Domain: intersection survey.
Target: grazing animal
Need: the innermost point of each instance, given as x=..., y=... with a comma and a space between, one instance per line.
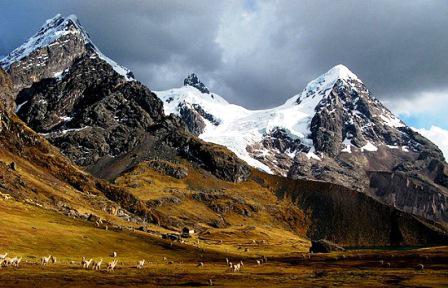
x=16, y=262
x=111, y=265
x=97, y=265
x=200, y=264
x=45, y=260
x=141, y=263
x=420, y=267
x=230, y=265
x=87, y=263
x=236, y=267
x=6, y=262
x=3, y=256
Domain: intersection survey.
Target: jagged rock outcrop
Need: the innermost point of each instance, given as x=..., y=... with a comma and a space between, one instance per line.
x=193, y=80
x=192, y=119
x=7, y=93
x=168, y=168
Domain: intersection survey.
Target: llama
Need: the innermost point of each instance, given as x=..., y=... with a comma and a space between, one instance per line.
x=16, y=262
x=6, y=262
x=45, y=260
x=141, y=263
x=97, y=265
x=111, y=265
x=87, y=263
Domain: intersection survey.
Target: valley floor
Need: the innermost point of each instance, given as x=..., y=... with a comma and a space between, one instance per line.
x=31, y=232
x=319, y=271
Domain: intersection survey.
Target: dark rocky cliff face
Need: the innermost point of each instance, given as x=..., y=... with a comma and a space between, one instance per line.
x=351, y=218
x=7, y=93
x=102, y=118
x=95, y=112
x=193, y=80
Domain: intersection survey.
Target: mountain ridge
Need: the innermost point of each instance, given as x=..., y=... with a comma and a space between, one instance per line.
x=334, y=130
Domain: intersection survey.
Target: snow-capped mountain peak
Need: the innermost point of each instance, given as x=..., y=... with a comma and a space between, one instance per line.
x=64, y=35
x=325, y=82
x=333, y=115
x=52, y=30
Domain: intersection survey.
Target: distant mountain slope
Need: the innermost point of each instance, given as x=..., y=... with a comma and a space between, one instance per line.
x=92, y=109
x=35, y=172
x=334, y=130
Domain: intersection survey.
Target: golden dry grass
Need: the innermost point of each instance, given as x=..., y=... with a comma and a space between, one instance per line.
x=272, y=213
x=34, y=232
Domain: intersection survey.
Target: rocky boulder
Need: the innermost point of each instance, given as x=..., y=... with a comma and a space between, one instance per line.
x=324, y=246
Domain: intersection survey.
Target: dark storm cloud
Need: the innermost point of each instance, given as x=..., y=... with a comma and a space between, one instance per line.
x=258, y=53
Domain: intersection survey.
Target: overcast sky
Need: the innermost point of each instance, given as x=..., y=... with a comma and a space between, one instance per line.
x=260, y=53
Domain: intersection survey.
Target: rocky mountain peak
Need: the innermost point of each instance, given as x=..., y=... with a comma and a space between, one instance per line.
x=322, y=85
x=53, y=30
x=193, y=80
x=54, y=48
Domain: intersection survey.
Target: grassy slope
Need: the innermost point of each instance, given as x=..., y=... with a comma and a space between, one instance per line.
x=272, y=221
x=33, y=232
